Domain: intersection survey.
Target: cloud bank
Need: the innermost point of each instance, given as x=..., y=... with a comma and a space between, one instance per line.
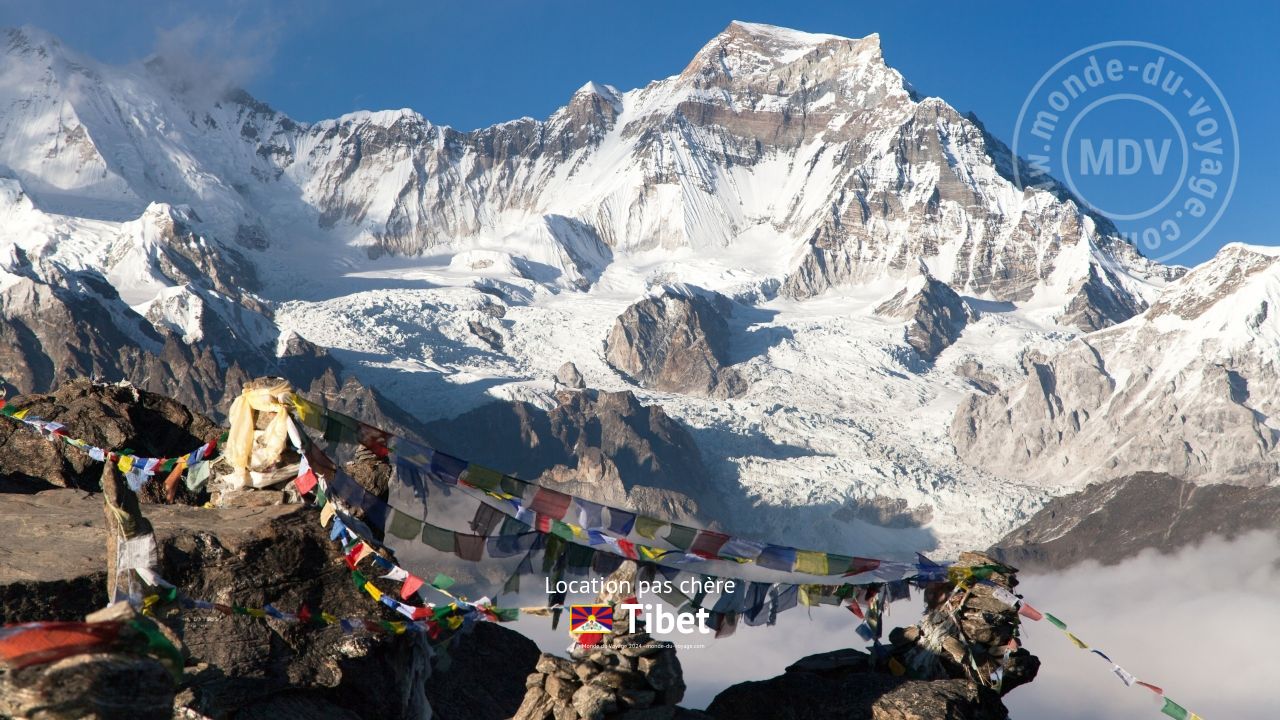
x=1199, y=623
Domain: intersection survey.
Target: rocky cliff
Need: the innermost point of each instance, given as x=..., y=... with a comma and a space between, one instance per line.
x=1110, y=521
x=1188, y=389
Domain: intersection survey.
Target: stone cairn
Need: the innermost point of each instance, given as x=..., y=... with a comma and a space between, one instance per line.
x=968, y=631
x=626, y=675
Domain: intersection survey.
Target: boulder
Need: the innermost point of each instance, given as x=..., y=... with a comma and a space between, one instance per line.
x=569, y=377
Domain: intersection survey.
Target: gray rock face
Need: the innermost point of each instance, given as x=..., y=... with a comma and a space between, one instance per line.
x=601, y=445
x=676, y=342
x=1189, y=389
x=1110, y=521
x=935, y=315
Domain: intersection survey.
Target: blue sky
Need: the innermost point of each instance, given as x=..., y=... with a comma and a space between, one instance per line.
x=470, y=64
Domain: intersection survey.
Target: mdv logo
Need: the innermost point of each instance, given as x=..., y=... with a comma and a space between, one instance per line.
x=1123, y=156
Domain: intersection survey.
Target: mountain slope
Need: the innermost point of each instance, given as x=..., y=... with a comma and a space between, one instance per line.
x=796, y=174
x=1188, y=388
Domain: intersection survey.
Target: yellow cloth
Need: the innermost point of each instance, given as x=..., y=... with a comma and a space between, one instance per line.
x=248, y=450
x=813, y=563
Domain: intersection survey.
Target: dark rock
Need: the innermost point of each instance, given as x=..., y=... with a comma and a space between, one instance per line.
x=845, y=659
x=102, y=685
x=247, y=556
x=110, y=416
x=503, y=657
x=676, y=342
x=874, y=696
x=1110, y=521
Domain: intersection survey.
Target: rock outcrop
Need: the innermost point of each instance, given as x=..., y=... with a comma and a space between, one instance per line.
x=1110, y=521
x=115, y=417
x=604, y=446
x=935, y=314
x=620, y=674
x=1188, y=389
x=676, y=341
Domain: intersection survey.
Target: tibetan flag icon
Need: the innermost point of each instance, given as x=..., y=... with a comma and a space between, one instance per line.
x=590, y=619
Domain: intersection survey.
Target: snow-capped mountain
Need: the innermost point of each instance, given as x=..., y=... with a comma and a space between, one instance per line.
x=872, y=262
x=1189, y=388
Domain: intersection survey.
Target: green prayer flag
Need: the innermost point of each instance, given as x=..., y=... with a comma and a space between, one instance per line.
x=648, y=527
x=1056, y=622
x=561, y=530
x=681, y=536
x=359, y=579
x=482, y=477
x=441, y=611
x=442, y=582
x=1174, y=710
x=321, y=498
x=438, y=538
x=507, y=614
x=404, y=526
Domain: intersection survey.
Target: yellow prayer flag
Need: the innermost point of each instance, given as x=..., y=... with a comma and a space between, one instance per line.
x=454, y=622
x=308, y=412
x=326, y=514
x=256, y=612
x=398, y=626
x=813, y=563
x=1079, y=643
x=328, y=619
x=126, y=463
x=896, y=667
x=374, y=592
x=21, y=413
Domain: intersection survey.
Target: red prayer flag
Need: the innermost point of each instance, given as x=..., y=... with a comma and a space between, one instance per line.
x=1029, y=612
x=410, y=586
x=1151, y=687
x=306, y=482
x=859, y=565
x=551, y=503
x=855, y=609
x=629, y=549
x=707, y=544
x=304, y=613
x=354, y=555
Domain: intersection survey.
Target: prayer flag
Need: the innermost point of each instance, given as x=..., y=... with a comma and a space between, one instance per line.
x=410, y=586
x=1174, y=710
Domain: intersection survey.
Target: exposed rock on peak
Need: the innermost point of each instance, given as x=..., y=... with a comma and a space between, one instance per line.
x=676, y=342
x=935, y=314
x=1189, y=388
